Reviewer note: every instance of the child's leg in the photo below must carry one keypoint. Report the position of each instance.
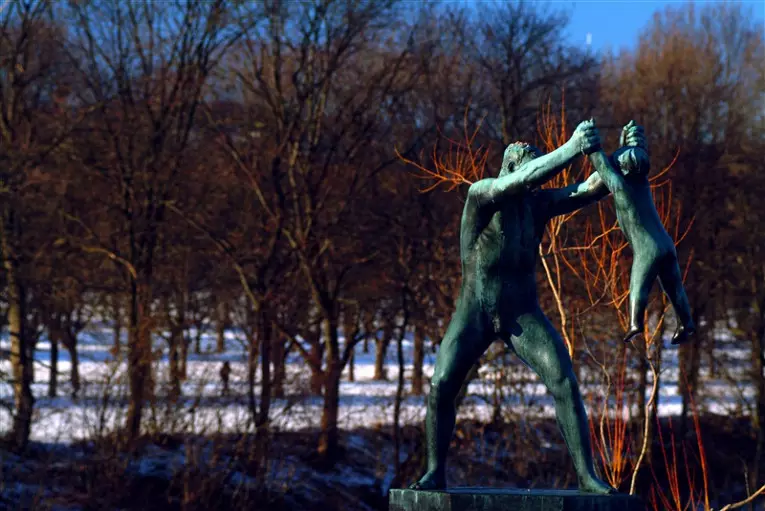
(644, 271)
(671, 279)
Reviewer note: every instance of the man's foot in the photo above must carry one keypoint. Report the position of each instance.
(632, 332)
(430, 481)
(594, 485)
(683, 333)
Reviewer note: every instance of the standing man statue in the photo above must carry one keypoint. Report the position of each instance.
(502, 226)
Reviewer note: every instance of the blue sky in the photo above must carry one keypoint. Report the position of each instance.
(617, 23)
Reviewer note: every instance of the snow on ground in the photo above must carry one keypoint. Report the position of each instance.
(364, 403)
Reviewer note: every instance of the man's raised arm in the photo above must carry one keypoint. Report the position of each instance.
(539, 170)
(607, 178)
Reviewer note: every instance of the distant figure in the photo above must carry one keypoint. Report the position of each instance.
(625, 174)
(225, 372)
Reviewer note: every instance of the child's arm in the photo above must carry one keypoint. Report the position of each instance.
(561, 201)
(613, 179)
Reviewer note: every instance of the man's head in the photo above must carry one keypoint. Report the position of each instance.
(516, 155)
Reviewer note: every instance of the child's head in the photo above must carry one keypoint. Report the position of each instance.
(633, 161)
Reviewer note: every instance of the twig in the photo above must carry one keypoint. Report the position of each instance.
(647, 423)
(746, 501)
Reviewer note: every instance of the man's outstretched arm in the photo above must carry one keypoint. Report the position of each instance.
(541, 169)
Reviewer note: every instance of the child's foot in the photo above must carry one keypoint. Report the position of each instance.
(683, 333)
(632, 332)
(594, 485)
(430, 481)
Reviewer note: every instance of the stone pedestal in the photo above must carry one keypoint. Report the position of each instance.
(500, 499)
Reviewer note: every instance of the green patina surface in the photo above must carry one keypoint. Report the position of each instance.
(503, 222)
(654, 256)
(496, 499)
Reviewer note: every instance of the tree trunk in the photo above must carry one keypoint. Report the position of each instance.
(418, 360)
(21, 362)
(220, 327)
(397, 404)
(117, 311)
(174, 349)
(252, 367)
(75, 370)
(54, 336)
(184, 355)
(266, 330)
(758, 379)
(69, 339)
(279, 361)
(198, 342)
(498, 357)
(369, 327)
(713, 364)
(139, 357)
(351, 330)
(381, 350)
(317, 374)
(328, 438)
(22, 353)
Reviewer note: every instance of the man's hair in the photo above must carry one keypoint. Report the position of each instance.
(516, 154)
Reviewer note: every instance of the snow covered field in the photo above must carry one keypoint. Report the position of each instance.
(364, 403)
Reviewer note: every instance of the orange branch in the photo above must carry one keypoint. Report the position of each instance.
(460, 164)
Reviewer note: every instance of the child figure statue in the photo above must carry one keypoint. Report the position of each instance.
(626, 176)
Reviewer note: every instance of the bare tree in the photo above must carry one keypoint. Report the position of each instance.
(33, 125)
(523, 60)
(328, 80)
(146, 65)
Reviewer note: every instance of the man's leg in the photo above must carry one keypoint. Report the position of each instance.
(671, 280)
(539, 346)
(463, 344)
(644, 271)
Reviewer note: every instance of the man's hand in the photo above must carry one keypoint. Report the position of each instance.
(586, 138)
(633, 136)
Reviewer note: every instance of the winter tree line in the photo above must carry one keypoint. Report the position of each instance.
(241, 164)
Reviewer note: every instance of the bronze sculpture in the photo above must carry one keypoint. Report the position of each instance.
(502, 225)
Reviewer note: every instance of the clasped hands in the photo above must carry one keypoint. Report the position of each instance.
(586, 138)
